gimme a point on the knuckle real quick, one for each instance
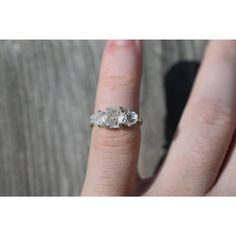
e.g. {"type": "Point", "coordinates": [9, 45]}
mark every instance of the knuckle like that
{"type": "Point", "coordinates": [214, 124]}
{"type": "Point", "coordinates": [205, 166]}
{"type": "Point", "coordinates": [215, 116]}
{"type": "Point", "coordinates": [120, 82]}
{"type": "Point", "coordinates": [116, 142]}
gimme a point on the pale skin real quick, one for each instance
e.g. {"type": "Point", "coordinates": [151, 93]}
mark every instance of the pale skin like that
{"type": "Point", "coordinates": [201, 160]}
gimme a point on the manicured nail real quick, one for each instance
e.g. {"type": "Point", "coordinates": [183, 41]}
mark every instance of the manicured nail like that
{"type": "Point", "coordinates": [123, 42]}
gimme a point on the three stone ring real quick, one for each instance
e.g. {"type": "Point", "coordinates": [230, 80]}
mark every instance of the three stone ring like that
{"type": "Point", "coordinates": [115, 118]}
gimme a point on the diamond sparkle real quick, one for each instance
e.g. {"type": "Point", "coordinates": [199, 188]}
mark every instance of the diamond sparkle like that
{"type": "Point", "coordinates": [114, 117]}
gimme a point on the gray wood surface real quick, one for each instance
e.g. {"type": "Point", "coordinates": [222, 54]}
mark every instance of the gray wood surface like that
{"type": "Point", "coordinates": [47, 92]}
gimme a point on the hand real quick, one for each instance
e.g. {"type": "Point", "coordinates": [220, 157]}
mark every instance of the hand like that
{"type": "Point", "coordinates": [202, 157]}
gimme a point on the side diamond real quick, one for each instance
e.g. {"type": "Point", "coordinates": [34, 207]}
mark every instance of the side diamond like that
{"type": "Point", "coordinates": [131, 118]}
{"type": "Point", "coordinates": [100, 119]}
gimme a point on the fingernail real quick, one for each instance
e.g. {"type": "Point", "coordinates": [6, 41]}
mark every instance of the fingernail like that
{"type": "Point", "coordinates": [123, 42]}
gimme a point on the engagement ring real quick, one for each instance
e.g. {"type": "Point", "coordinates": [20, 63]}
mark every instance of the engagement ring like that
{"type": "Point", "coordinates": [115, 117]}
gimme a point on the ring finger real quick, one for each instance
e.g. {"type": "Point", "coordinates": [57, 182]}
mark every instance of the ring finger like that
{"type": "Point", "coordinates": [114, 153]}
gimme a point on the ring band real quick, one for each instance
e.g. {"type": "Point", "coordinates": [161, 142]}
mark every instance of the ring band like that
{"type": "Point", "coordinates": [115, 118]}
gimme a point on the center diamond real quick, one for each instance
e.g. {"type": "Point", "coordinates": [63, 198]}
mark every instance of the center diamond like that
{"type": "Point", "coordinates": [115, 117]}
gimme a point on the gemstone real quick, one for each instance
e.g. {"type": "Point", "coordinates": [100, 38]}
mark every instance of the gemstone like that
{"type": "Point", "coordinates": [113, 117]}
{"type": "Point", "coordinates": [131, 118]}
{"type": "Point", "coordinates": [122, 119]}
{"type": "Point", "coordinates": [100, 118]}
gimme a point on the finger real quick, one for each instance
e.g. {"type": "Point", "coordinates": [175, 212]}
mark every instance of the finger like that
{"type": "Point", "coordinates": [114, 153]}
{"type": "Point", "coordinates": [226, 183]}
{"type": "Point", "coordinates": [205, 129]}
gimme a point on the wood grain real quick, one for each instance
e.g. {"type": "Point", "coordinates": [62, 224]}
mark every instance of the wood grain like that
{"type": "Point", "coordinates": [47, 92]}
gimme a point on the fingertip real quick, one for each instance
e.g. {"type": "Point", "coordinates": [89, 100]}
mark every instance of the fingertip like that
{"type": "Point", "coordinates": [124, 44]}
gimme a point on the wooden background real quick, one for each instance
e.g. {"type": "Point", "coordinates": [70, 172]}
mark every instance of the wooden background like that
{"type": "Point", "coordinates": [47, 92]}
